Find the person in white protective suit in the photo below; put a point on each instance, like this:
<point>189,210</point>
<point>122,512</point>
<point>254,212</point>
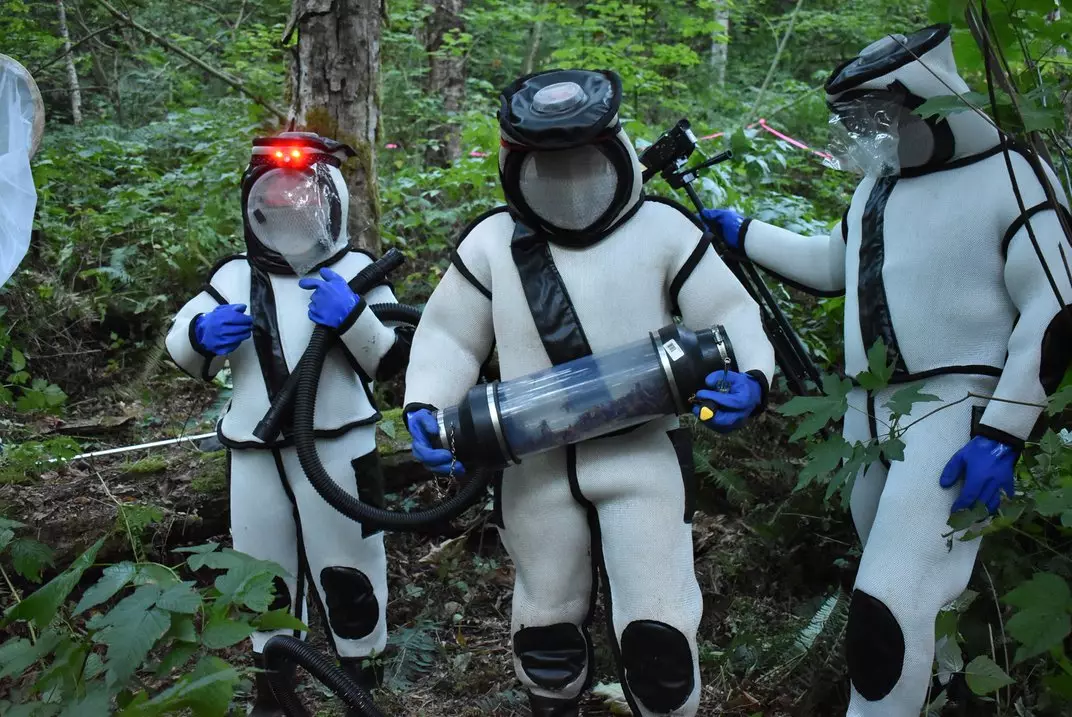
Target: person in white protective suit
<point>969,290</point>
<point>579,261</point>
<point>22,122</point>
<point>252,314</point>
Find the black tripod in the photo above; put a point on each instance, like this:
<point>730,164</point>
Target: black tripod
<point>668,157</point>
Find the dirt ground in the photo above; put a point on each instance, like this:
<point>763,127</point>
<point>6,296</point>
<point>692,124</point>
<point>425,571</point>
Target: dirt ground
<point>768,564</point>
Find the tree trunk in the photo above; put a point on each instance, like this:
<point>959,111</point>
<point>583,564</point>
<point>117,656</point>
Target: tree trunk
<point>720,45</point>
<point>72,73</point>
<point>535,37</point>
<point>334,91</point>
<point>446,78</point>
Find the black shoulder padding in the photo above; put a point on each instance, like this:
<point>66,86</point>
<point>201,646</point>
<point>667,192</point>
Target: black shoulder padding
<point>875,647</point>
<point>657,662</point>
<point>1056,350</point>
<point>352,608</point>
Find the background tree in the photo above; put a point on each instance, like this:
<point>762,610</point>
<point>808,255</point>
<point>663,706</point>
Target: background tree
<point>334,90</point>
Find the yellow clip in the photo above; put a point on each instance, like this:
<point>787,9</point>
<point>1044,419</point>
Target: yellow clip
<point>706,414</point>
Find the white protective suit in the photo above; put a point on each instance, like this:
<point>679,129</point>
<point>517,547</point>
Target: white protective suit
<point>22,121</point>
<point>275,512</point>
<point>937,262</point>
<point>618,506</point>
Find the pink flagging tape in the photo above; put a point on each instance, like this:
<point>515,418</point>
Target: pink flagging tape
<point>762,124</point>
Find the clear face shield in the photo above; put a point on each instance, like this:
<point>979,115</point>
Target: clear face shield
<point>875,134</point>
<point>298,214</point>
<point>570,188</point>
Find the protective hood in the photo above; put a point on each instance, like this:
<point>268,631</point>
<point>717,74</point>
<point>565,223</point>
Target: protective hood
<point>22,121</point>
<point>295,202</point>
<point>872,97</point>
<point>568,169</point>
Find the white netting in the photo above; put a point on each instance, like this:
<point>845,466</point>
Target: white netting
<point>571,188</point>
<point>21,123</point>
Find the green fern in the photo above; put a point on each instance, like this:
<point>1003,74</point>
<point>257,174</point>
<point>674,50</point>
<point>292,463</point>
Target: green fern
<point>415,651</point>
<point>491,704</point>
<point>809,648</point>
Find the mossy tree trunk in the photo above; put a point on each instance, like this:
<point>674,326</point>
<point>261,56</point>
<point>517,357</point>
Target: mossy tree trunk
<point>446,77</point>
<point>334,91</point>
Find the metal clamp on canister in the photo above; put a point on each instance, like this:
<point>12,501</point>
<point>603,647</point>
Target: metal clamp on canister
<point>498,424</point>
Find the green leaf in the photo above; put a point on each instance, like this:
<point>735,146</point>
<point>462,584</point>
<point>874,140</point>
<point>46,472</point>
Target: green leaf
<point>893,449</point>
<point>30,557</point>
<point>130,607</point>
<point>207,691</point>
<point>945,105</point>
<point>388,428</point>
<point>96,702</point>
<point>153,574</point>
<point>279,620</point>
<point>221,632</point>
<point>946,624</point>
<point>18,360</point>
<point>130,642</point>
<point>901,403</point>
<point>823,459</point>
<point>878,373</point>
<point>41,606</point>
<point>198,549</point>
<point>964,519</point>
<point>18,656</point>
<point>66,668</point>
<point>249,583</point>
<point>114,579</point>
<point>11,524</point>
<point>984,676</point>
<point>183,629</point>
<point>1042,621</point>
<point>181,598</point>
<point>226,559</point>
<point>1053,502</point>
<point>1059,401</point>
<point>6,536</point>
<point>739,142</point>
<point>176,658</point>
<point>822,409</point>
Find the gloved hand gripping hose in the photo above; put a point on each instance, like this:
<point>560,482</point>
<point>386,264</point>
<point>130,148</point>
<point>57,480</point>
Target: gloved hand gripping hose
<point>299,395</point>
<point>282,649</point>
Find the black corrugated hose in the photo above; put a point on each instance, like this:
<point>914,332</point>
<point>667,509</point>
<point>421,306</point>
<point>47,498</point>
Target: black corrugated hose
<point>341,500</point>
<point>283,649</point>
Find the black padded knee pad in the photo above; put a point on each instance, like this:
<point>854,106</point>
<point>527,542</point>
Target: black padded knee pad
<point>874,647</point>
<point>657,661</point>
<point>353,611</point>
<point>281,601</point>
<point>552,656</point>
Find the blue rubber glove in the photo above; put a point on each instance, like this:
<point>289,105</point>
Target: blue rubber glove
<point>733,405</point>
<point>332,301</point>
<point>424,428</point>
<point>727,222</point>
<point>987,467</point>
<point>223,329</point>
